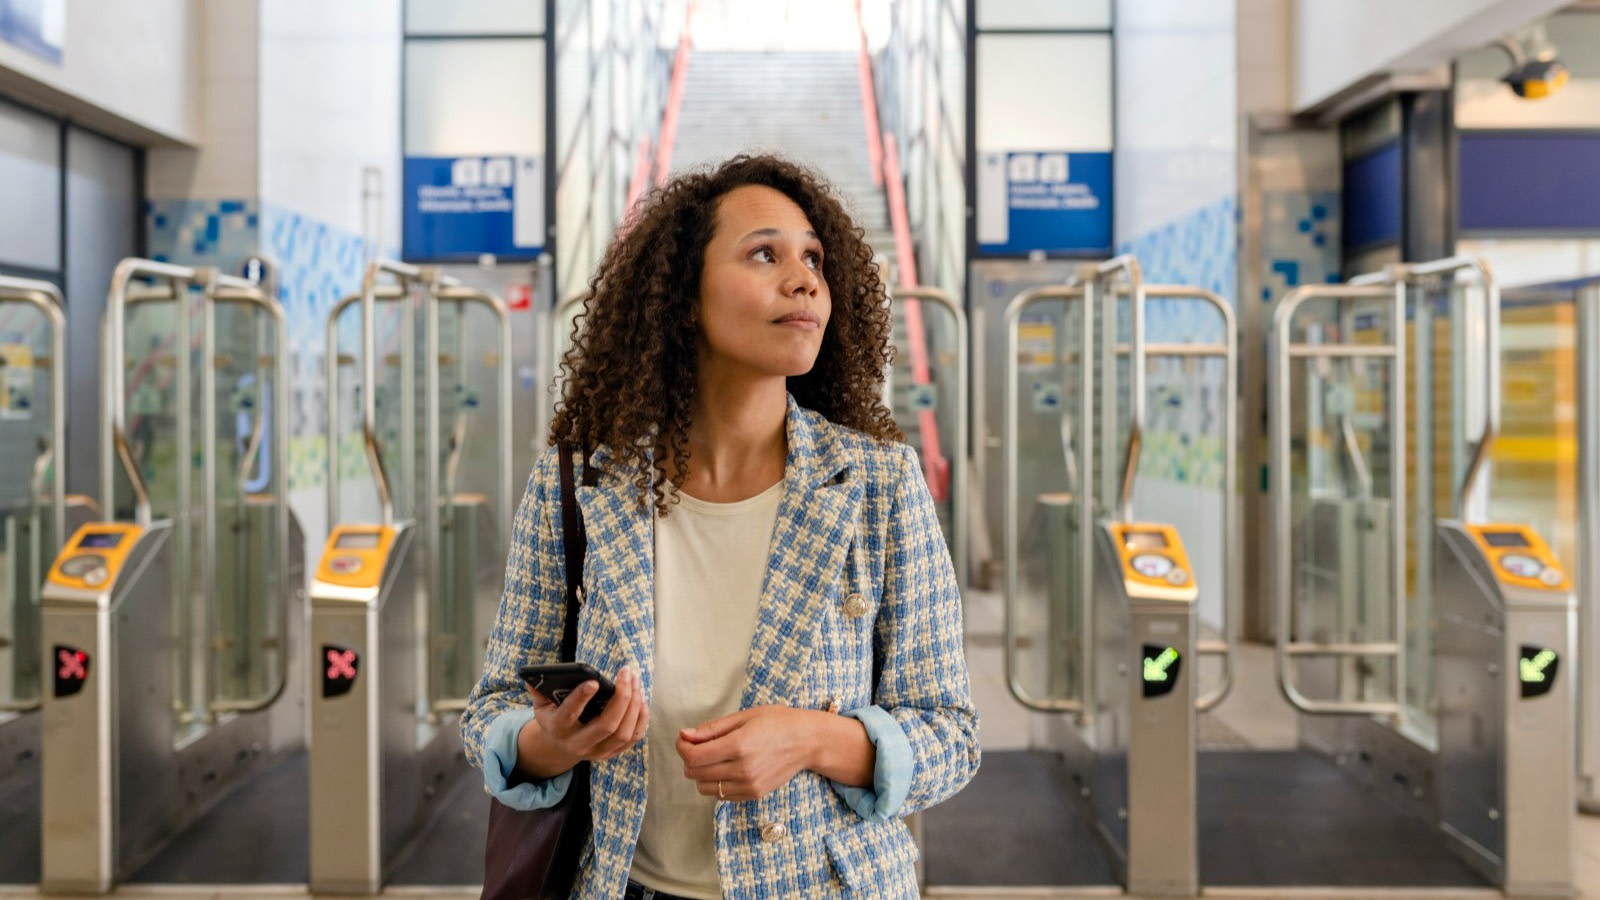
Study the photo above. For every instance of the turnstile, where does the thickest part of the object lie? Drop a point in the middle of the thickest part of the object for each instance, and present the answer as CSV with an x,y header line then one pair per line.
x,y
366,778
107,715
1492,769
400,611
36,516
170,655
1506,667
1140,761
1114,650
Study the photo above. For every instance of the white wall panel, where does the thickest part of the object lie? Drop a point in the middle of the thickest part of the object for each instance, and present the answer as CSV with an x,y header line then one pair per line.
x,y
1043,14
459,94
330,107
127,68
475,17
1044,92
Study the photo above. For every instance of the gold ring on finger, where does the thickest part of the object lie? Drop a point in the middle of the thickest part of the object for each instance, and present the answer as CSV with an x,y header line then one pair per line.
x,y
720,794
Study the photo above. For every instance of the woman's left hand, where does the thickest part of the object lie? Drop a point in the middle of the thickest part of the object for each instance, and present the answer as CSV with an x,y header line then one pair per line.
x,y
749,754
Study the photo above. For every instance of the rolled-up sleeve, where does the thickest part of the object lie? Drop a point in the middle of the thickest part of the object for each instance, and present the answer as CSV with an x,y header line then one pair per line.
x,y
500,761
891,774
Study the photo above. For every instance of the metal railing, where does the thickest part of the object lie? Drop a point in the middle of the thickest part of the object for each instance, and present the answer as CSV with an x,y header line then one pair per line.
x,y
1233,565
1134,279
1282,351
46,298
259,295
114,402
388,293
1083,490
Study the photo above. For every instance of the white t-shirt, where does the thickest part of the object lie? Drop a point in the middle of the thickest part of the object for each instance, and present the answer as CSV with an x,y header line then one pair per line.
x,y
710,561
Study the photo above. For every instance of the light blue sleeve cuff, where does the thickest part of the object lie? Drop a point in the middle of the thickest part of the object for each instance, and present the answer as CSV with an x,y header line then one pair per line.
x,y
891,776
500,760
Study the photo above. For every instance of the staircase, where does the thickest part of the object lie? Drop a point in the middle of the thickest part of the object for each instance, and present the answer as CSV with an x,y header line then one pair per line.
x,y
806,106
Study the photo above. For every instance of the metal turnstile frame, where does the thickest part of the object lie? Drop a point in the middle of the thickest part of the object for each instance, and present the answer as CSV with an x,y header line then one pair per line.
x,y
1282,350
440,289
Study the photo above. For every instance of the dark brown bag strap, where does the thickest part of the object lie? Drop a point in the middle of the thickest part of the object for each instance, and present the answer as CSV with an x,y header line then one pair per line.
x,y
576,542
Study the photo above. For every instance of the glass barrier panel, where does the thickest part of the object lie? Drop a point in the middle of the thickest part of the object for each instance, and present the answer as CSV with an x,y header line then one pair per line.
x,y
471,564
1342,500
28,469
246,606
1048,630
358,496
937,395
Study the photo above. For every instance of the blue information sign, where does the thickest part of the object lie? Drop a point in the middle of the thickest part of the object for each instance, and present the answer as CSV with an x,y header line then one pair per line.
x,y
459,208
1054,201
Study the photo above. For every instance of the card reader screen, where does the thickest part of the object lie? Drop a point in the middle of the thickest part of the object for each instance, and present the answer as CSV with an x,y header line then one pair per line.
x,y
1504,539
1145,540
101,540
358,540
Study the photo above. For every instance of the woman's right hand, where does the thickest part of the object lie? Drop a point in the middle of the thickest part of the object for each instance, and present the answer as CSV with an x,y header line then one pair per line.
x,y
555,740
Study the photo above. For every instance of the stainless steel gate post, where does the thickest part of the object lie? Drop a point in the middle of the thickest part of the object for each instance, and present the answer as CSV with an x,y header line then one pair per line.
x,y
1163,809
365,639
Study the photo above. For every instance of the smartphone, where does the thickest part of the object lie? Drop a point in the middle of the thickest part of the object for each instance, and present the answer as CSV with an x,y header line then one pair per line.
x,y
557,680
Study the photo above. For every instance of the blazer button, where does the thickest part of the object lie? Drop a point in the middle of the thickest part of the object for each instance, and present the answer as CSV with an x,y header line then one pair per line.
x,y
834,705
855,606
773,832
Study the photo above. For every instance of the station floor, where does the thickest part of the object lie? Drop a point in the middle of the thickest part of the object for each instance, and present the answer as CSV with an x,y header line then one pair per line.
x,y
1254,717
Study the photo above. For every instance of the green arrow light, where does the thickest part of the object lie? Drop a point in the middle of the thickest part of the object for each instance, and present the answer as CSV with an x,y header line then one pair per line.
x,y
1533,671
1159,668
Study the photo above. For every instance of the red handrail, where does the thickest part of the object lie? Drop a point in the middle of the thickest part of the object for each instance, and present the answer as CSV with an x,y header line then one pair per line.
x,y
669,118
885,159
869,102
640,179
934,464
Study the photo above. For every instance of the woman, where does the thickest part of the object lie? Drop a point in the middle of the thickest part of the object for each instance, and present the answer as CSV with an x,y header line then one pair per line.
x,y
765,570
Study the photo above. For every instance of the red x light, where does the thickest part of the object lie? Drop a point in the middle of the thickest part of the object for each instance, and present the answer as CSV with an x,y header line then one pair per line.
x,y
340,667
71,670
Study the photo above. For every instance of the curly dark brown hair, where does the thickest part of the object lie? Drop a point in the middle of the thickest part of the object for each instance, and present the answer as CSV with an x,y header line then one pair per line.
x,y
629,378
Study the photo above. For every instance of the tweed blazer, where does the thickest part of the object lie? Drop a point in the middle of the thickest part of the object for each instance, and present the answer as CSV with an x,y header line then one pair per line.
x,y
856,518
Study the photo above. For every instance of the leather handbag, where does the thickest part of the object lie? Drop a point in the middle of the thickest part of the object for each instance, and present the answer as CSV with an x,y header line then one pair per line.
x,y
533,854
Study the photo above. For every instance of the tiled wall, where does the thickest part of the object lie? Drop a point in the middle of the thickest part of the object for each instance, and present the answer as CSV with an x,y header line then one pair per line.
x,y
318,264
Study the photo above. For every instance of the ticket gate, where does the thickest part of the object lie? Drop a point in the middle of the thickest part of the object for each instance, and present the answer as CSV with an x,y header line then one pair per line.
x,y
366,774
1489,786
107,717
1507,623
36,518
169,671
1140,768
1114,650
400,613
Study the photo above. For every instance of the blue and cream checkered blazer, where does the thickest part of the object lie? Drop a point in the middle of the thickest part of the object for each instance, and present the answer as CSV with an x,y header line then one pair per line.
x,y
856,518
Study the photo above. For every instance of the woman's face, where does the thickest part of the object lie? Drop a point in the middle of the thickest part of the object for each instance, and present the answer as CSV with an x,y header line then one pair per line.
x,y
763,302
